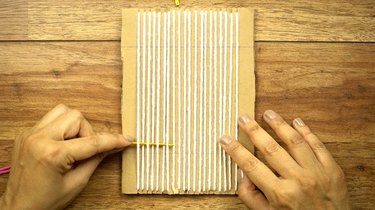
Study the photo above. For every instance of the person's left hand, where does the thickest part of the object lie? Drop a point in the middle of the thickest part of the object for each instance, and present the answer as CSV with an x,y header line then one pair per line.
x,y
53,161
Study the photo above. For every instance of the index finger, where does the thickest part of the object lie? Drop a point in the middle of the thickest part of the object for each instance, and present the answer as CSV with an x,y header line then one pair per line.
x,y
255,170
86,147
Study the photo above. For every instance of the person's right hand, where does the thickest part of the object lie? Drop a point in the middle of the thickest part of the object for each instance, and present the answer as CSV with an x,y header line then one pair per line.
x,y
308,176
53,161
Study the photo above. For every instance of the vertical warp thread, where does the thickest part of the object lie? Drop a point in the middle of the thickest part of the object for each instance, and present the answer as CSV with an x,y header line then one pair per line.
x,y
195,98
207,91
189,96
153,118
174,98
158,101
204,98
221,91
237,93
185,100
148,114
215,101
179,97
230,121
143,97
225,94
168,98
164,97
210,111
201,107
138,95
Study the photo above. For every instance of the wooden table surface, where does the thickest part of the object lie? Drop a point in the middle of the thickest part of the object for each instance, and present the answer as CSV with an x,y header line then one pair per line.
x,y
314,59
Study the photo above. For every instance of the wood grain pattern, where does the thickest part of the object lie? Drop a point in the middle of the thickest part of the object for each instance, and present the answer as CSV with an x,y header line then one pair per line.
x,y
304,20
13,19
330,85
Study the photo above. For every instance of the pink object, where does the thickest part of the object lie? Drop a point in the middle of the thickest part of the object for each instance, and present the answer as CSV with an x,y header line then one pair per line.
x,y
4,170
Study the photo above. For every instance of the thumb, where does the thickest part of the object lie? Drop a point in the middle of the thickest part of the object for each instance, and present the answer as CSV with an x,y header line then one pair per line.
x,y
90,151
86,147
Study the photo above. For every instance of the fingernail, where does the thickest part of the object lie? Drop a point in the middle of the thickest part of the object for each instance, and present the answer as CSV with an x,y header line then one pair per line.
x,y
299,122
244,119
225,140
270,114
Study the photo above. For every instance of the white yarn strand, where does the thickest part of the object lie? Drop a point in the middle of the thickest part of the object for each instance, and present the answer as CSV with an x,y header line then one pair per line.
x,y
221,92
236,92
195,98
174,98
189,98
210,111
164,88
143,99
185,104
179,97
153,119
230,121
205,99
225,94
138,95
148,114
217,146
201,108
168,98
158,90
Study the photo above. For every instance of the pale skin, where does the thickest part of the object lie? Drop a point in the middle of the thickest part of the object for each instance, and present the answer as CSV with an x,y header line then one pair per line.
x,y
309,178
53,161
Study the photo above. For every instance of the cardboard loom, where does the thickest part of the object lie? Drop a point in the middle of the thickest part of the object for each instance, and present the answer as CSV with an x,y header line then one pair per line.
x,y
246,97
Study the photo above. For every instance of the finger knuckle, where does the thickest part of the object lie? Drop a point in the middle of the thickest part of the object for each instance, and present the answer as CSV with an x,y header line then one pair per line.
x,y
296,139
96,143
307,132
325,178
249,165
294,172
283,197
308,185
76,114
318,147
253,127
279,122
62,107
271,148
30,137
233,147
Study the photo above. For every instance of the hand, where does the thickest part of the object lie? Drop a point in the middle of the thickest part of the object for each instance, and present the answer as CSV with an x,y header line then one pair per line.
x,y
308,177
53,161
